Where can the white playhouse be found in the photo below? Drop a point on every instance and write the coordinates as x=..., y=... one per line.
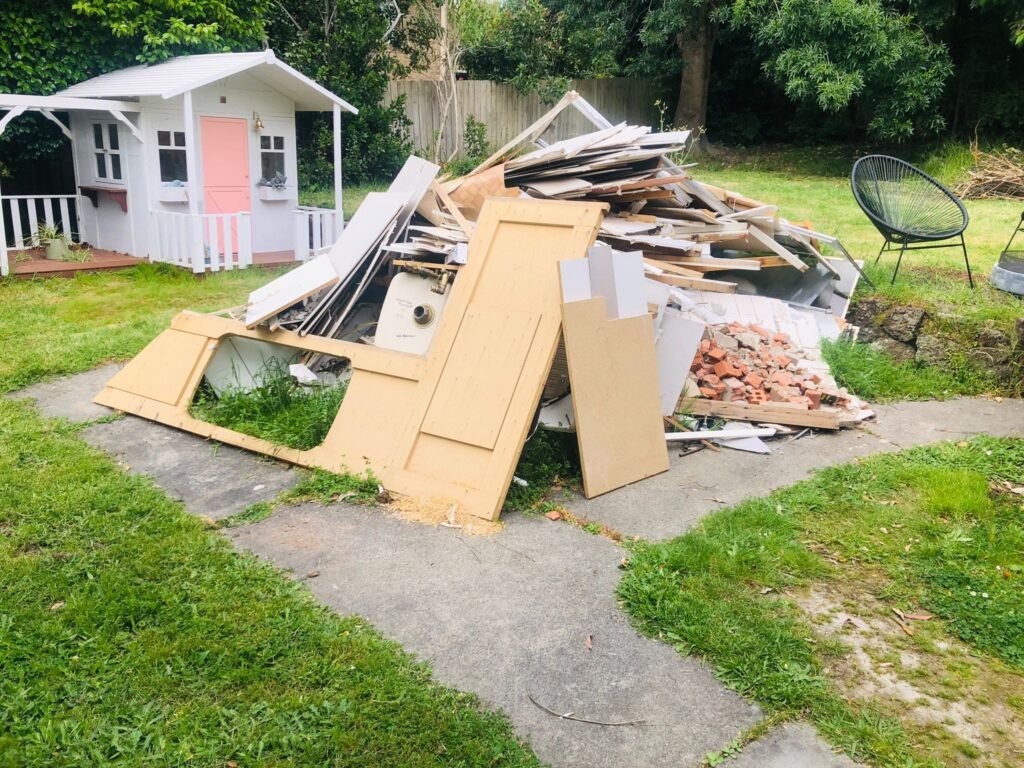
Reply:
x=191, y=161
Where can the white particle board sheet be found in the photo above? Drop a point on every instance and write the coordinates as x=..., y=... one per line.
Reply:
x=365, y=230
x=678, y=339
x=291, y=288
x=575, y=278
x=361, y=235
x=619, y=278
x=411, y=184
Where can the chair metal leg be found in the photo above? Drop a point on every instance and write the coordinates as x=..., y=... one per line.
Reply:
x=970, y=278
x=882, y=250
x=898, y=262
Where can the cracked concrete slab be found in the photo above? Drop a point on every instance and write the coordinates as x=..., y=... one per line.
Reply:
x=508, y=617
x=794, y=745
x=211, y=479
x=671, y=503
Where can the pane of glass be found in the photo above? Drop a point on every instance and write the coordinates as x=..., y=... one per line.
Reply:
x=112, y=130
x=101, y=166
x=279, y=142
x=115, y=166
x=264, y=142
x=271, y=163
x=97, y=135
x=179, y=138
x=163, y=138
x=172, y=165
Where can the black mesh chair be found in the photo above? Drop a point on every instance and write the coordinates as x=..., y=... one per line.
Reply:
x=910, y=208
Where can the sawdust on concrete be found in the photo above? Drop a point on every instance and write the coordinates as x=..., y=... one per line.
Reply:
x=439, y=512
x=967, y=705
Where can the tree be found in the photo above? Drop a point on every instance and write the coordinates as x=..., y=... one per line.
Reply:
x=164, y=28
x=351, y=47
x=858, y=56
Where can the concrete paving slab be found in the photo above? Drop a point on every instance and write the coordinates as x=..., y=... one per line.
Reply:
x=70, y=397
x=507, y=617
x=212, y=480
x=794, y=745
x=671, y=503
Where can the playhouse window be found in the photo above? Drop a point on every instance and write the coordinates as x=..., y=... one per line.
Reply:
x=107, y=151
x=172, y=156
x=271, y=156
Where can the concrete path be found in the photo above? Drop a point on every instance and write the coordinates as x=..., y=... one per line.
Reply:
x=508, y=616
x=671, y=503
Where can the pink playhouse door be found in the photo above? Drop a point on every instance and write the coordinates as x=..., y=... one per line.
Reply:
x=225, y=142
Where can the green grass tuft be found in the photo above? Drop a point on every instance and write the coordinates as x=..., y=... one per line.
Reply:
x=925, y=517
x=548, y=458
x=327, y=487
x=277, y=408
x=132, y=634
x=875, y=376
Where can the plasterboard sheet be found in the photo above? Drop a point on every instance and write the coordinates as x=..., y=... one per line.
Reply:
x=241, y=364
x=678, y=339
x=557, y=416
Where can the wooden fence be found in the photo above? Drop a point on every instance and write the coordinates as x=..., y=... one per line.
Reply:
x=506, y=111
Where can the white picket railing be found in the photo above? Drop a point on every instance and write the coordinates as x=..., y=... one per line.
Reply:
x=22, y=215
x=27, y=212
x=208, y=242
x=316, y=229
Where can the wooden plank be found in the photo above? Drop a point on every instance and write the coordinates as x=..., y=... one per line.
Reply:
x=769, y=242
x=616, y=406
x=702, y=284
x=768, y=413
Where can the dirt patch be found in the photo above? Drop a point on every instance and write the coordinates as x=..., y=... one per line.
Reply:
x=964, y=706
x=441, y=512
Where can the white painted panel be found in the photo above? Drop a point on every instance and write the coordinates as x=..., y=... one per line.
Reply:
x=677, y=344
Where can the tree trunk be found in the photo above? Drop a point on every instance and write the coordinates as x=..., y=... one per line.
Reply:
x=695, y=48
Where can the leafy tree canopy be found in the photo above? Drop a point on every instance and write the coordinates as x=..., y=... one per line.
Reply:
x=164, y=28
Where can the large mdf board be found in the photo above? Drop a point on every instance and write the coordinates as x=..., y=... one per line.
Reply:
x=481, y=376
x=615, y=398
x=162, y=370
x=486, y=370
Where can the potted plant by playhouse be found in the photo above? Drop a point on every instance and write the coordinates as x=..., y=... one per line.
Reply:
x=51, y=240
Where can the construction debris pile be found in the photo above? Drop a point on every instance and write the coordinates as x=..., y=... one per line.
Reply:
x=590, y=285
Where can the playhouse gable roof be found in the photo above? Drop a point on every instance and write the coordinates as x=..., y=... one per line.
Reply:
x=186, y=73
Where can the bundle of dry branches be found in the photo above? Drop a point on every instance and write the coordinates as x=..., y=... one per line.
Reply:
x=994, y=175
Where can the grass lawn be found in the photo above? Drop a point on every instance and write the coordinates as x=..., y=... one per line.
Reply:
x=132, y=634
x=791, y=599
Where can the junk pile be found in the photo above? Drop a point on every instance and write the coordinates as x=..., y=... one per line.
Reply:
x=589, y=285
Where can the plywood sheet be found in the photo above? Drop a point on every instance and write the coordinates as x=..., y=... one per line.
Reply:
x=615, y=397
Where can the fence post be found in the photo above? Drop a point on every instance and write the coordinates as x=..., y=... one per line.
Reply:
x=244, y=239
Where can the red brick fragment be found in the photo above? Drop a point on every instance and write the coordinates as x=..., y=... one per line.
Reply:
x=760, y=331
x=705, y=346
x=716, y=354
x=709, y=393
x=725, y=369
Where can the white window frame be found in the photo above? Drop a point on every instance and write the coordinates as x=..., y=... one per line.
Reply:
x=108, y=152
x=172, y=147
x=273, y=151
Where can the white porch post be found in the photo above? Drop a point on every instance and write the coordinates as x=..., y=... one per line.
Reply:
x=5, y=267
x=195, y=230
x=337, y=170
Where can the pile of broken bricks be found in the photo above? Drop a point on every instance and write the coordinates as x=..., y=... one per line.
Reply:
x=749, y=364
